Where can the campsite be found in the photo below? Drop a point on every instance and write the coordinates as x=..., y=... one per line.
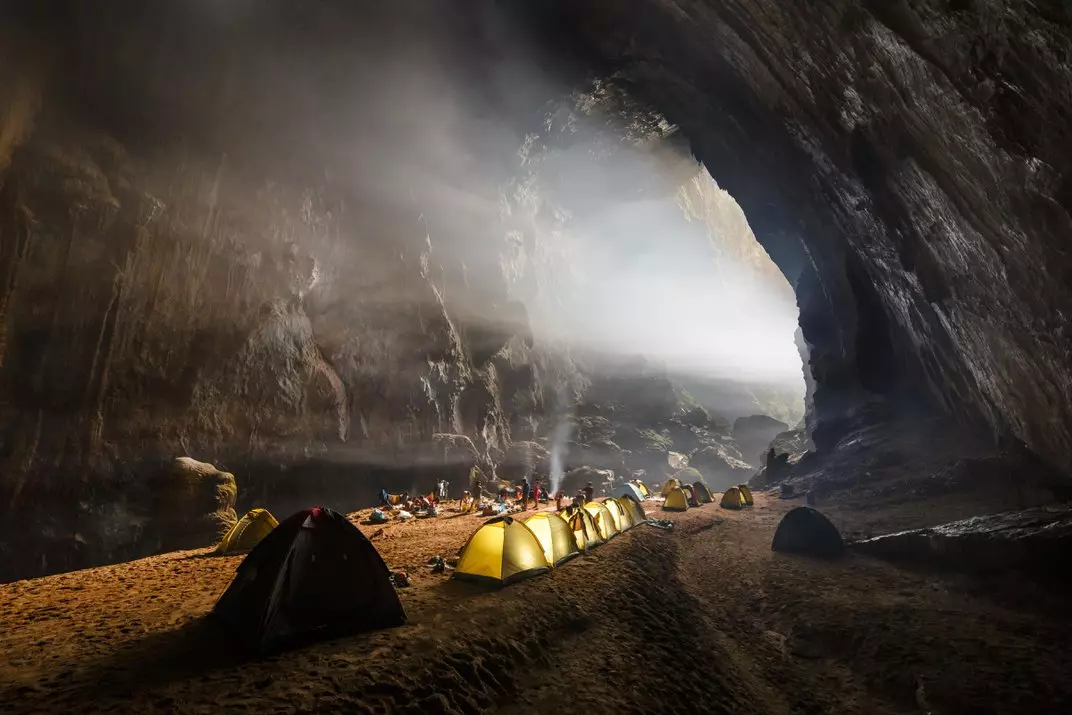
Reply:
x=769, y=633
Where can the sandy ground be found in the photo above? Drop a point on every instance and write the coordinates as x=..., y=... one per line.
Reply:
x=702, y=619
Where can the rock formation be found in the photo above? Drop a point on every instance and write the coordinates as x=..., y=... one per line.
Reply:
x=193, y=505
x=905, y=165
x=754, y=434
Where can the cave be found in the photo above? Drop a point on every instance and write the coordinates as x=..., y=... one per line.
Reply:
x=335, y=247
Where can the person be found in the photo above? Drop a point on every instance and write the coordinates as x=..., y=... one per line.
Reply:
x=467, y=504
x=385, y=498
x=589, y=491
x=525, y=493
x=578, y=500
x=559, y=496
x=537, y=490
x=443, y=484
x=476, y=483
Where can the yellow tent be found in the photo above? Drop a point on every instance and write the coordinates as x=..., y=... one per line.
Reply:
x=603, y=520
x=747, y=494
x=554, y=535
x=247, y=532
x=733, y=499
x=676, y=500
x=703, y=494
x=690, y=496
x=671, y=483
x=625, y=518
x=616, y=515
x=632, y=507
x=584, y=529
x=642, y=487
x=501, y=551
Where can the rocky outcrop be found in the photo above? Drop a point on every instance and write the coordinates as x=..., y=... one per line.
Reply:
x=1032, y=541
x=193, y=505
x=754, y=434
x=721, y=468
x=912, y=182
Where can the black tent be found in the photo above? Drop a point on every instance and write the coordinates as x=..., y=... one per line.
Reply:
x=315, y=572
x=805, y=531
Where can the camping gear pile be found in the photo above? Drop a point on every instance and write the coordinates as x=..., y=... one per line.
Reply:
x=504, y=550
x=402, y=507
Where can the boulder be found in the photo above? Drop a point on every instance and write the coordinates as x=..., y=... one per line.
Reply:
x=792, y=443
x=194, y=504
x=805, y=531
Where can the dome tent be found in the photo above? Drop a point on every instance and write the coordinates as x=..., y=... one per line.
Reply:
x=315, y=572
x=676, y=500
x=703, y=494
x=247, y=532
x=628, y=490
x=670, y=485
x=603, y=520
x=625, y=517
x=555, y=536
x=804, y=530
x=644, y=491
x=690, y=495
x=615, y=509
x=585, y=531
x=501, y=552
x=733, y=499
x=632, y=507
x=746, y=493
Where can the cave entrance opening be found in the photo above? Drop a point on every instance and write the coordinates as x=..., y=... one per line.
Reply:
x=653, y=260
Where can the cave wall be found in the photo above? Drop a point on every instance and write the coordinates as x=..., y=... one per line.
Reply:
x=187, y=269
x=905, y=163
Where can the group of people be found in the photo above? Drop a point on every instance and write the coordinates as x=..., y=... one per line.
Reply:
x=519, y=496
x=426, y=503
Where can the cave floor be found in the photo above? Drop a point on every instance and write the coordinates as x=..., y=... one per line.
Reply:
x=701, y=619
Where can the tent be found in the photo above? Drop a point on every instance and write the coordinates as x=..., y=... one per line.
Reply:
x=688, y=475
x=584, y=529
x=632, y=507
x=644, y=491
x=690, y=496
x=676, y=501
x=703, y=494
x=554, y=535
x=625, y=517
x=747, y=494
x=805, y=531
x=501, y=551
x=247, y=532
x=315, y=572
x=616, y=515
x=733, y=499
x=671, y=483
x=603, y=520
x=628, y=490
